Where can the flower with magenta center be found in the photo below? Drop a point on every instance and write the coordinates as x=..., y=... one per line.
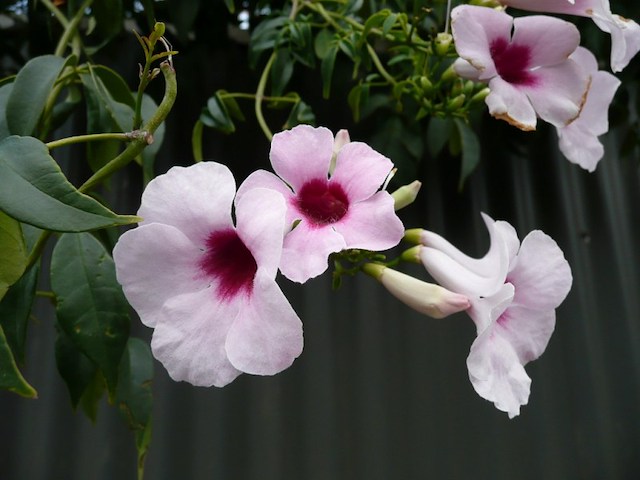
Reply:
x=513, y=291
x=328, y=210
x=525, y=62
x=208, y=287
x=625, y=33
x=579, y=140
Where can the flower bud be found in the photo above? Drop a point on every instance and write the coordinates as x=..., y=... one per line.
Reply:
x=426, y=298
x=406, y=194
x=456, y=102
x=442, y=43
x=481, y=95
x=341, y=139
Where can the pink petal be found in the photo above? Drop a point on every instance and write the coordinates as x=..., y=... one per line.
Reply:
x=372, y=224
x=264, y=179
x=485, y=311
x=195, y=199
x=302, y=154
x=585, y=59
x=190, y=336
x=497, y=374
x=360, y=171
x=547, y=40
x=474, y=29
x=559, y=92
x=260, y=216
x=510, y=104
x=266, y=337
x=594, y=115
x=155, y=262
x=466, y=70
x=307, y=249
x=541, y=275
x=579, y=7
x=528, y=331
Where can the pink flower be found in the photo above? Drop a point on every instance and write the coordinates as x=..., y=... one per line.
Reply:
x=328, y=213
x=528, y=71
x=625, y=33
x=514, y=291
x=206, y=287
x=579, y=140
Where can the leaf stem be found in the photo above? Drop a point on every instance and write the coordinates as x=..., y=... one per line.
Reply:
x=70, y=28
x=94, y=137
x=378, y=64
x=36, y=251
x=260, y=96
x=137, y=145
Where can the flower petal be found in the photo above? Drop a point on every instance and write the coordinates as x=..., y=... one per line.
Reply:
x=189, y=339
x=474, y=29
x=155, y=262
x=360, y=170
x=266, y=337
x=264, y=179
x=372, y=224
x=528, y=331
x=580, y=146
x=547, y=40
x=195, y=199
x=306, y=251
x=558, y=93
x=260, y=216
x=497, y=374
x=510, y=104
x=541, y=275
x=302, y=154
x=466, y=70
x=625, y=40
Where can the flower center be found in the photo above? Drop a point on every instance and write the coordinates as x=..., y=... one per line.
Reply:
x=322, y=202
x=229, y=261
x=512, y=62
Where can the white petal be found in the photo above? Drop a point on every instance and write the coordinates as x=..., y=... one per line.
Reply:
x=266, y=336
x=155, y=262
x=190, y=335
x=195, y=199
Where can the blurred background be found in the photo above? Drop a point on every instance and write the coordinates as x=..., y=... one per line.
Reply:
x=380, y=392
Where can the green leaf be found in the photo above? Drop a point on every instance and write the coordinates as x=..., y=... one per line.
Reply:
x=35, y=191
x=323, y=43
x=357, y=98
x=217, y=116
x=281, y=72
x=109, y=18
x=374, y=21
x=326, y=70
x=10, y=377
x=231, y=104
x=133, y=395
x=91, y=307
x=15, y=308
x=30, y=93
x=230, y=5
x=438, y=133
x=196, y=141
x=470, y=150
x=389, y=22
x=14, y=256
x=149, y=107
x=75, y=368
x=63, y=110
x=5, y=92
x=300, y=113
x=183, y=15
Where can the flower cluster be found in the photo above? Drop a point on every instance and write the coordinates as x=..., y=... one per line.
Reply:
x=535, y=68
x=208, y=287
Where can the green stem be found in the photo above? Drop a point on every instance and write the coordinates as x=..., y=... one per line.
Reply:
x=136, y=146
x=71, y=27
x=378, y=64
x=56, y=13
x=36, y=251
x=94, y=137
x=260, y=97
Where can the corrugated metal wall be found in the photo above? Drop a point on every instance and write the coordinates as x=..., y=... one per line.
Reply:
x=379, y=391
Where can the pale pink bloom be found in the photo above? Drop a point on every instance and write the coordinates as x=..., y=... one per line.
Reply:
x=206, y=287
x=514, y=291
x=328, y=213
x=426, y=298
x=525, y=62
x=625, y=33
x=579, y=140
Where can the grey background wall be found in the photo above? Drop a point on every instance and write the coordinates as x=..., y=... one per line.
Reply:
x=381, y=392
